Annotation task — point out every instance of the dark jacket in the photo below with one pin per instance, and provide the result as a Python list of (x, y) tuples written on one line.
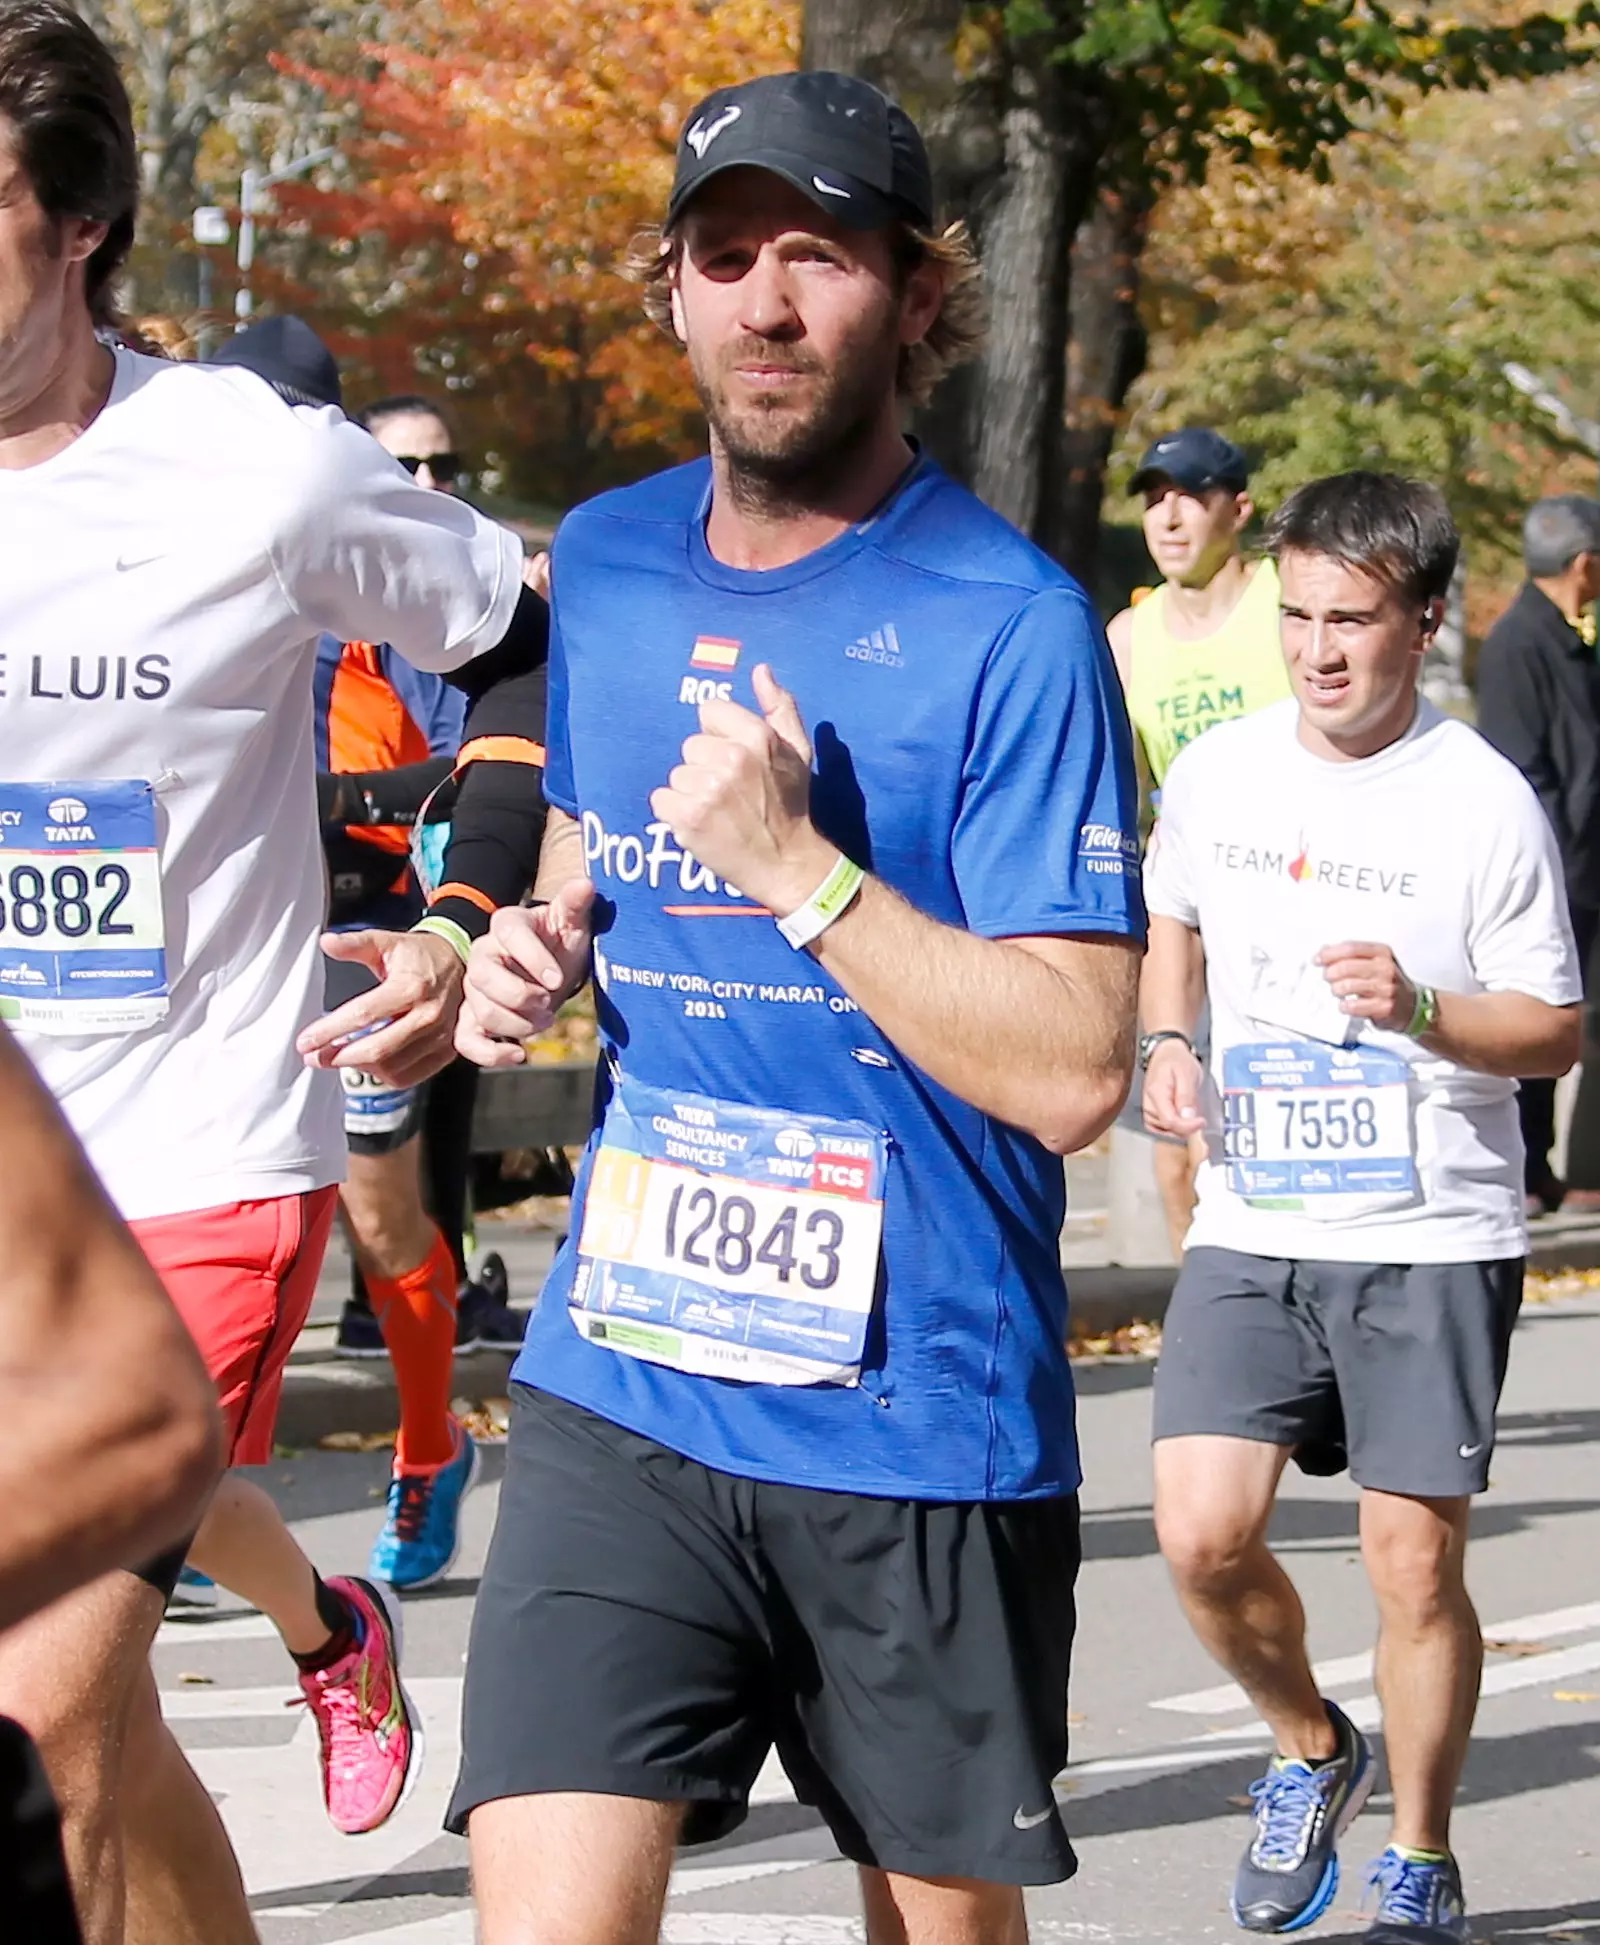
[(1539, 705)]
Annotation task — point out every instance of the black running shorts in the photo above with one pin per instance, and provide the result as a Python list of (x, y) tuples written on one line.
[(1392, 1368), (648, 1627), (35, 1897)]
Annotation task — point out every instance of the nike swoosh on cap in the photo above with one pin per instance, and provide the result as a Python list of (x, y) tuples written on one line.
[(829, 188)]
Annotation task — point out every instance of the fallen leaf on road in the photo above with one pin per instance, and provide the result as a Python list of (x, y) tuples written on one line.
[(1517, 1648), (1137, 1340), (355, 1441), (199, 1681), (489, 1421), (1548, 1286), (1240, 1802), (1576, 1695)]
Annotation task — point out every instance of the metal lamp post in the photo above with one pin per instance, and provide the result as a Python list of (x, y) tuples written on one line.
[(252, 185)]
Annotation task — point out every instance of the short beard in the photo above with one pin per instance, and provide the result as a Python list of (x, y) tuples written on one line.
[(779, 464)]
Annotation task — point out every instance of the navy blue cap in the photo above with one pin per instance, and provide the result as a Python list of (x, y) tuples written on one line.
[(837, 139), (1195, 459), (289, 355)]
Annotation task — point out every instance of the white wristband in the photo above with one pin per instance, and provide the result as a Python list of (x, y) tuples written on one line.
[(832, 897)]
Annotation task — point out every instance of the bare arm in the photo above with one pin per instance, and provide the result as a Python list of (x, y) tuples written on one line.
[(109, 1443), (1119, 633), (1172, 988), (1037, 1032), (1511, 1035)]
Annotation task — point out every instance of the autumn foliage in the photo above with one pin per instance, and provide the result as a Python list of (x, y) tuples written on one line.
[(509, 156)]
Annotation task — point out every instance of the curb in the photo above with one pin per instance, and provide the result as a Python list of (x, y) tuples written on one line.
[(323, 1393)]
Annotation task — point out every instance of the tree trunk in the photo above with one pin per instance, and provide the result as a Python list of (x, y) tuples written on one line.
[(1014, 139), (1105, 354)]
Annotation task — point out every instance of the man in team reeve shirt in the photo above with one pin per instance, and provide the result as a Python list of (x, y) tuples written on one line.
[(843, 818)]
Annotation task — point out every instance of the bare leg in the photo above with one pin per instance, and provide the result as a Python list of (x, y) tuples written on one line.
[(1430, 1654), (941, 1911), (1175, 1166), (75, 1677), (184, 1886), (390, 1231), (1213, 1500), (244, 1544), (584, 1870)]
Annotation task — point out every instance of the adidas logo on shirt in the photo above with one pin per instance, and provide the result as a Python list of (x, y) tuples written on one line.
[(880, 645)]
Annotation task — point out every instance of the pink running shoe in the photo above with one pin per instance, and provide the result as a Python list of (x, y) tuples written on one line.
[(371, 1739)]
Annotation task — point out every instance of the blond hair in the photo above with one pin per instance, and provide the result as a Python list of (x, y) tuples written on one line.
[(955, 336)]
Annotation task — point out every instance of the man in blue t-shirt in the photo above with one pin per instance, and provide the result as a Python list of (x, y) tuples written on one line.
[(843, 819)]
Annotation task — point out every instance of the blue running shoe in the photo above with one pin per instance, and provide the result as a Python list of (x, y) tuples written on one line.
[(194, 1589), (422, 1535), (1419, 1901), (1288, 1876)]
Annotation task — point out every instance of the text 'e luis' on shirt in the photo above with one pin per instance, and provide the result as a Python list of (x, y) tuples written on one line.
[(164, 582), (972, 752)]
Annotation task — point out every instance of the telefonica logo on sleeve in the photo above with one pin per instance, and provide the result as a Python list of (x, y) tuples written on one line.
[(1108, 850), (1302, 868)]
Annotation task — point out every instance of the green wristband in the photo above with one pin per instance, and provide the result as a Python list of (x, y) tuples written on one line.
[(1426, 1015), (446, 929)]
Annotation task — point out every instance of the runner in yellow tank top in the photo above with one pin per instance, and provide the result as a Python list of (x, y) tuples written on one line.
[(1196, 651), (1203, 647)]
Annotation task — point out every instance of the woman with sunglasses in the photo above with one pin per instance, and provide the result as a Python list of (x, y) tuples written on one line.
[(417, 433)]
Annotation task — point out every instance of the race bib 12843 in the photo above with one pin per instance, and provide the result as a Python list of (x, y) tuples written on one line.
[(1321, 1130), (82, 938), (730, 1241)]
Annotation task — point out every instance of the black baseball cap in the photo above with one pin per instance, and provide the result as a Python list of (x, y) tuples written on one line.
[(289, 355), (837, 139), (1195, 459)]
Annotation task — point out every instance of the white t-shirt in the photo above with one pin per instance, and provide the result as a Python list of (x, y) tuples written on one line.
[(1435, 847), (163, 583)]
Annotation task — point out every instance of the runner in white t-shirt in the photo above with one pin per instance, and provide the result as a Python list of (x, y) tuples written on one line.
[(176, 539), (1373, 898)]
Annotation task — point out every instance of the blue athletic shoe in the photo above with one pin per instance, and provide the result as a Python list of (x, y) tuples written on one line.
[(1288, 1876), (1419, 1901), (422, 1535)]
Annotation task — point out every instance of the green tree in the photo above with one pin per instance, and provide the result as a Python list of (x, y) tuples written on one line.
[(1371, 319), (1059, 124)]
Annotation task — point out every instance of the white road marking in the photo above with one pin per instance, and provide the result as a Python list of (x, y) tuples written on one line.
[(1227, 1697), (435, 1695), (1225, 1744), (221, 1627)]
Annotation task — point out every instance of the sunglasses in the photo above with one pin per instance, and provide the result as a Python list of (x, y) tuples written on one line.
[(444, 466)]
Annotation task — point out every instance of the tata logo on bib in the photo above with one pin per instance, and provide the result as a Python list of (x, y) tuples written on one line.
[(69, 821), (794, 1141)]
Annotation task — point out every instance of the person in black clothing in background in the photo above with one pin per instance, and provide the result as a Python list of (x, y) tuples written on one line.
[(1539, 705)]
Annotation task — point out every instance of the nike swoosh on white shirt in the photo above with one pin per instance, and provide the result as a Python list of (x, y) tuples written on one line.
[(1471, 1451), (127, 561), (829, 188), (1032, 1823)]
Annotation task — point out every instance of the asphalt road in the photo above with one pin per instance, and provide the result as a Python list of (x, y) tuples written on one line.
[(1163, 1753)]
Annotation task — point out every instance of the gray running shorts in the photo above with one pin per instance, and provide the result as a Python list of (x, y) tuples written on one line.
[(1392, 1368)]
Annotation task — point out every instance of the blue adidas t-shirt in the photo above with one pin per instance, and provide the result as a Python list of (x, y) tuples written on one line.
[(972, 751)]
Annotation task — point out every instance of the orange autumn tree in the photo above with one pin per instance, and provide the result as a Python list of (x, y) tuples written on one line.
[(505, 160)]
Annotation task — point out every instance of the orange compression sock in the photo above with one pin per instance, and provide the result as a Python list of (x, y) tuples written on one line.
[(417, 1314)]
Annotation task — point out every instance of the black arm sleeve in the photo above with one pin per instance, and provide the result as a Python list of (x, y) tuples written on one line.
[(382, 796), (524, 646), (495, 836), (498, 822)]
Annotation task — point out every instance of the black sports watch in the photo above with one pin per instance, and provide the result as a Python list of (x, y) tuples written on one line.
[(1148, 1042)]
